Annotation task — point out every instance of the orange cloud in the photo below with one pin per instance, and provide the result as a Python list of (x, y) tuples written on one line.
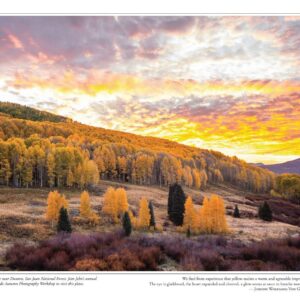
[(96, 82)]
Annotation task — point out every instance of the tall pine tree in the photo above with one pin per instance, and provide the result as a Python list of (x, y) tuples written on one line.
[(64, 224), (265, 212), (126, 222), (176, 201), (152, 217)]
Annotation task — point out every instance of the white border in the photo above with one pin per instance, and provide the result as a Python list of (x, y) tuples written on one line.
[(150, 7)]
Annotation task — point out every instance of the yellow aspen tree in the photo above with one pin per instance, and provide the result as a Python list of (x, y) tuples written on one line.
[(144, 214), (62, 202), (189, 220), (213, 203), (86, 211), (204, 220), (70, 178), (218, 216), (122, 202), (196, 179), (121, 166), (99, 160), (133, 219), (110, 205), (92, 172), (51, 213), (222, 214), (212, 216), (94, 218), (85, 206), (54, 203)]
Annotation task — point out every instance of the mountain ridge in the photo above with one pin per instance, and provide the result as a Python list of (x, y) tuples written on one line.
[(292, 166)]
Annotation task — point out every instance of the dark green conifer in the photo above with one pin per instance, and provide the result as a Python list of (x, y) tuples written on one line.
[(236, 213), (265, 212), (64, 224), (126, 222), (152, 217), (176, 201)]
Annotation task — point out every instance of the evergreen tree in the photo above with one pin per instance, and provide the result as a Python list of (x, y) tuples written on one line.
[(63, 221), (127, 224), (176, 203), (152, 217), (170, 199), (236, 213), (265, 212)]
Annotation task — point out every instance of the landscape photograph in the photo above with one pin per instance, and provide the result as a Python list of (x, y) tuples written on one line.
[(150, 143)]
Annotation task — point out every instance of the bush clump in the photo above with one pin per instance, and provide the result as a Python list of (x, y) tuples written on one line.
[(116, 252)]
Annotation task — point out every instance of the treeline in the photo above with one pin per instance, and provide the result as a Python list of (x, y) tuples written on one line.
[(28, 113), (41, 154), (288, 186)]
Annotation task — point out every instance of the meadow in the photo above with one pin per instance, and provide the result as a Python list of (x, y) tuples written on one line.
[(23, 224)]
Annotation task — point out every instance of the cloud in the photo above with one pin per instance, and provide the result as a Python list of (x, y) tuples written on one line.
[(225, 83), (15, 41)]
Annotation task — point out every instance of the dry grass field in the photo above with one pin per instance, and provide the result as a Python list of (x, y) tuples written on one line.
[(22, 213)]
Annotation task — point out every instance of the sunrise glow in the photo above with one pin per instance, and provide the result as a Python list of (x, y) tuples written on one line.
[(230, 84)]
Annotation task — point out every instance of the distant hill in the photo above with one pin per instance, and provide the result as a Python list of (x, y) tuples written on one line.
[(292, 166), (24, 112)]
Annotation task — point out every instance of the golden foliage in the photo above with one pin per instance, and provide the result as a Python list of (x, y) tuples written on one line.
[(210, 218), (133, 219), (86, 211), (144, 215), (115, 203), (122, 202), (189, 220), (110, 205), (55, 202), (72, 154)]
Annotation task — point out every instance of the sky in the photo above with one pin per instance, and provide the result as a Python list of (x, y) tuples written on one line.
[(228, 83)]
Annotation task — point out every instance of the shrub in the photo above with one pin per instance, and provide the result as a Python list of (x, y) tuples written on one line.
[(159, 228), (191, 263), (91, 264), (106, 251), (114, 252)]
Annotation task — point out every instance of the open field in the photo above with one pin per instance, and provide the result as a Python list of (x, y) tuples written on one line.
[(22, 213)]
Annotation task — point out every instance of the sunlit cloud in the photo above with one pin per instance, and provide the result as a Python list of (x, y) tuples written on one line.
[(226, 83)]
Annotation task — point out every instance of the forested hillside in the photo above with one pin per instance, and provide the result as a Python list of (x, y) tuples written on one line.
[(24, 112), (50, 152)]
